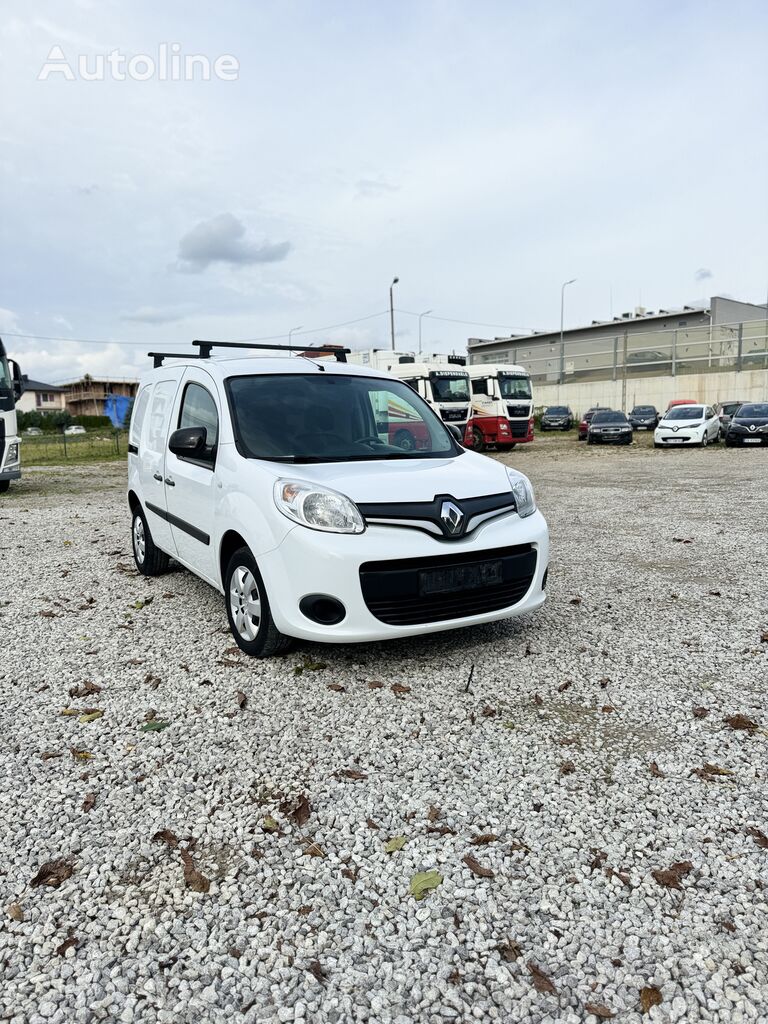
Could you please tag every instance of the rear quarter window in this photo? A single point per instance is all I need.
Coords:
(139, 414)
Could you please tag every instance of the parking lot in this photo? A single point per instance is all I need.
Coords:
(238, 839)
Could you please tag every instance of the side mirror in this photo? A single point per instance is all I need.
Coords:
(189, 442)
(457, 434)
(19, 386)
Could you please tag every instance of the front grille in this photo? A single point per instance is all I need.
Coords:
(451, 415)
(519, 429)
(391, 588)
(517, 410)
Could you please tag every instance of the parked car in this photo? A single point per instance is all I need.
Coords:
(33, 432)
(557, 417)
(644, 417)
(275, 480)
(74, 429)
(586, 419)
(687, 425)
(725, 411)
(609, 427)
(748, 425)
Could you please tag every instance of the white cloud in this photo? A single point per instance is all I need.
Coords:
(223, 240)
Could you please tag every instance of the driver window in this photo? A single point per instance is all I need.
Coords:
(198, 409)
(480, 386)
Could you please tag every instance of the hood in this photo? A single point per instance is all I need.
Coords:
(681, 423)
(468, 475)
(749, 421)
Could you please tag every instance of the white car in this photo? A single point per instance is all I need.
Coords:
(278, 481)
(687, 425)
(74, 429)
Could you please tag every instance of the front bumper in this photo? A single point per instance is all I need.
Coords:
(308, 562)
(678, 439)
(621, 437)
(750, 439)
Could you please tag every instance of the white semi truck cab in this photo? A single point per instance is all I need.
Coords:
(443, 386)
(502, 405)
(11, 389)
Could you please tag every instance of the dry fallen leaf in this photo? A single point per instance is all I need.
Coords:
(564, 686)
(700, 712)
(71, 942)
(541, 981)
(349, 873)
(672, 876)
(741, 722)
(649, 997)
(509, 950)
(483, 839)
(298, 812)
(166, 836)
(15, 912)
(193, 879)
(476, 868)
(350, 773)
(395, 843)
(89, 802)
(599, 1010)
(759, 837)
(317, 972)
(400, 690)
(313, 850)
(655, 770)
(337, 687)
(240, 699)
(433, 813)
(575, 600)
(709, 772)
(53, 873)
(376, 684)
(567, 767)
(371, 823)
(84, 689)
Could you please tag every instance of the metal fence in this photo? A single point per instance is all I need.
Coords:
(738, 346)
(57, 448)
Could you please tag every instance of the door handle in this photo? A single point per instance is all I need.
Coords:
(158, 476)
(170, 481)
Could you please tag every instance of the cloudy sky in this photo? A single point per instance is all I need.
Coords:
(484, 152)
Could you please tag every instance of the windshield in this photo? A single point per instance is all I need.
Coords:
(685, 412)
(514, 387)
(730, 408)
(329, 417)
(753, 412)
(609, 417)
(643, 410)
(5, 375)
(556, 410)
(449, 389)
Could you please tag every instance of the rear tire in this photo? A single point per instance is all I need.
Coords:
(404, 439)
(248, 611)
(4, 485)
(149, 559)
(478, 440)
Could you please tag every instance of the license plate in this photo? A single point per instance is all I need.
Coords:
(675, 440)
(751, 440)
(460, 577)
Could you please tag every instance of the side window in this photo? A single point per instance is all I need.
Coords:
(480, 386)
(139, 412)
(198, 409)
(159, 414)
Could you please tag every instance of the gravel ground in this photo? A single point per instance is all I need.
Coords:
(624, 870)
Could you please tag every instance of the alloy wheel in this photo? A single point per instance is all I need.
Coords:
(245, 602)
(139, 539)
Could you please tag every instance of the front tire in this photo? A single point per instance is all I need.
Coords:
(248, 611)
(404, 439)
(704, 440)
(4, 485)
(149, 559)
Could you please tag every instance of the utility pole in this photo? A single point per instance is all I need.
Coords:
(425, 313)
(562, 341)
(292, 330)
(392, 312)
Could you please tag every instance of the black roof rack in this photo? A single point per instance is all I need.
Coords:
(160, 356)
(336, 350)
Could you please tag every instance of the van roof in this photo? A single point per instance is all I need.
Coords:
(222, 367)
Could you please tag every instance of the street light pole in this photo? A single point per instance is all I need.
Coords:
(562, 341)
(392, 312)
(425, 313)
(292, 330)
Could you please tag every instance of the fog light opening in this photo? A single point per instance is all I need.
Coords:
(320, 608)
(544, 581)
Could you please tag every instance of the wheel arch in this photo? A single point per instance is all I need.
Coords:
(133, 500)
(230, 542)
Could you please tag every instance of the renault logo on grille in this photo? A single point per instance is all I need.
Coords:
(452, 517)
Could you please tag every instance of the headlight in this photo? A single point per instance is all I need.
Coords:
(13, 453)
(523, 492)
(317, 507)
